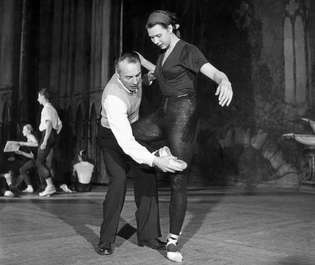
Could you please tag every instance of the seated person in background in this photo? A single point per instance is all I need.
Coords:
(27, 150)
(5, 183)
(82, 173)
(19, 163)
(310, 122)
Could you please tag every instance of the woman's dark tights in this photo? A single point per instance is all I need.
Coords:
(175, 122)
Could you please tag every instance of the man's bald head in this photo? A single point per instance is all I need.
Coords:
(127, 58)
(128, 69)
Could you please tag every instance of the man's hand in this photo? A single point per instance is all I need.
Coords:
(166, 164)
(224, 93)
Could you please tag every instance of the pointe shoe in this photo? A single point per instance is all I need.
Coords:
(48, 191)
(8, 178)
(172, 250)
(175, 162)
(164, 151)
(8, 193)
(173, 255)
(65, 188)
(29, 190)
(180, 164)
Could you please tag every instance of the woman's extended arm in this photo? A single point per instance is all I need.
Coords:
(224, 90)
(28, 155)
(31, 141)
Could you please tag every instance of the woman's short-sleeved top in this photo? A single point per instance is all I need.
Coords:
(84, 170)
(177, 75)
(49, 113)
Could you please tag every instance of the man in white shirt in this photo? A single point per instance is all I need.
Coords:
(120, 109)
(50, 126)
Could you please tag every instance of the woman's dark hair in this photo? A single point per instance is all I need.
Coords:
(83, 155)
(44, 92)
(163, 18)
(29, 127)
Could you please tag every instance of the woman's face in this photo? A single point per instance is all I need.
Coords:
(25, 131)
(160, 36)
(40, 99)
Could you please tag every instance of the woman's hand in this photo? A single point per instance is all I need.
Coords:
(145, 63)
(43, 146)
(224, 90)
(225, 93)
(18, 152)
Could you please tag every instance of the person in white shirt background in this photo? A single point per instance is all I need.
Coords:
(50, 126)
(82, 173)
(120, 109)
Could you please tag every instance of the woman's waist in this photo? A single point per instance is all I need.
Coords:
(179, 95)
(180, 103)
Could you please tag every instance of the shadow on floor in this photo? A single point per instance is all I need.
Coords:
(296, 260)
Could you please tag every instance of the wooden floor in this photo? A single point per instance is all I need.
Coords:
(222, 227)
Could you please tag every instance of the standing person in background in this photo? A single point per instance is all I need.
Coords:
(121, 149)
(50, 126)
(5, 183)
(176, 71)
(82, 173)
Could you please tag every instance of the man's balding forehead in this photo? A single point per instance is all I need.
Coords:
(125, 62)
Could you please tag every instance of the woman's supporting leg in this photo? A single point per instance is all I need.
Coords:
(24, 175)
(44, 172)
(181, 137)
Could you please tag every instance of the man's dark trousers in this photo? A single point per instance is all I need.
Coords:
(118, 166)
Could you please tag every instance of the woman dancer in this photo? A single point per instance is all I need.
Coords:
(82, 173)
(176, 70)
(27, 150)
(50, 126)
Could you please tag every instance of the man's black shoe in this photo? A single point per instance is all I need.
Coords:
(104, 251)
(154, 244)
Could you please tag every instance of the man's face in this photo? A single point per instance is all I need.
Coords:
(130, 75)
(160, 36)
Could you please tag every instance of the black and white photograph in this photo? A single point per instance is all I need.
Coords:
(137, 132)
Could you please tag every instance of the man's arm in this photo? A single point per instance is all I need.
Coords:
(119, 124)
